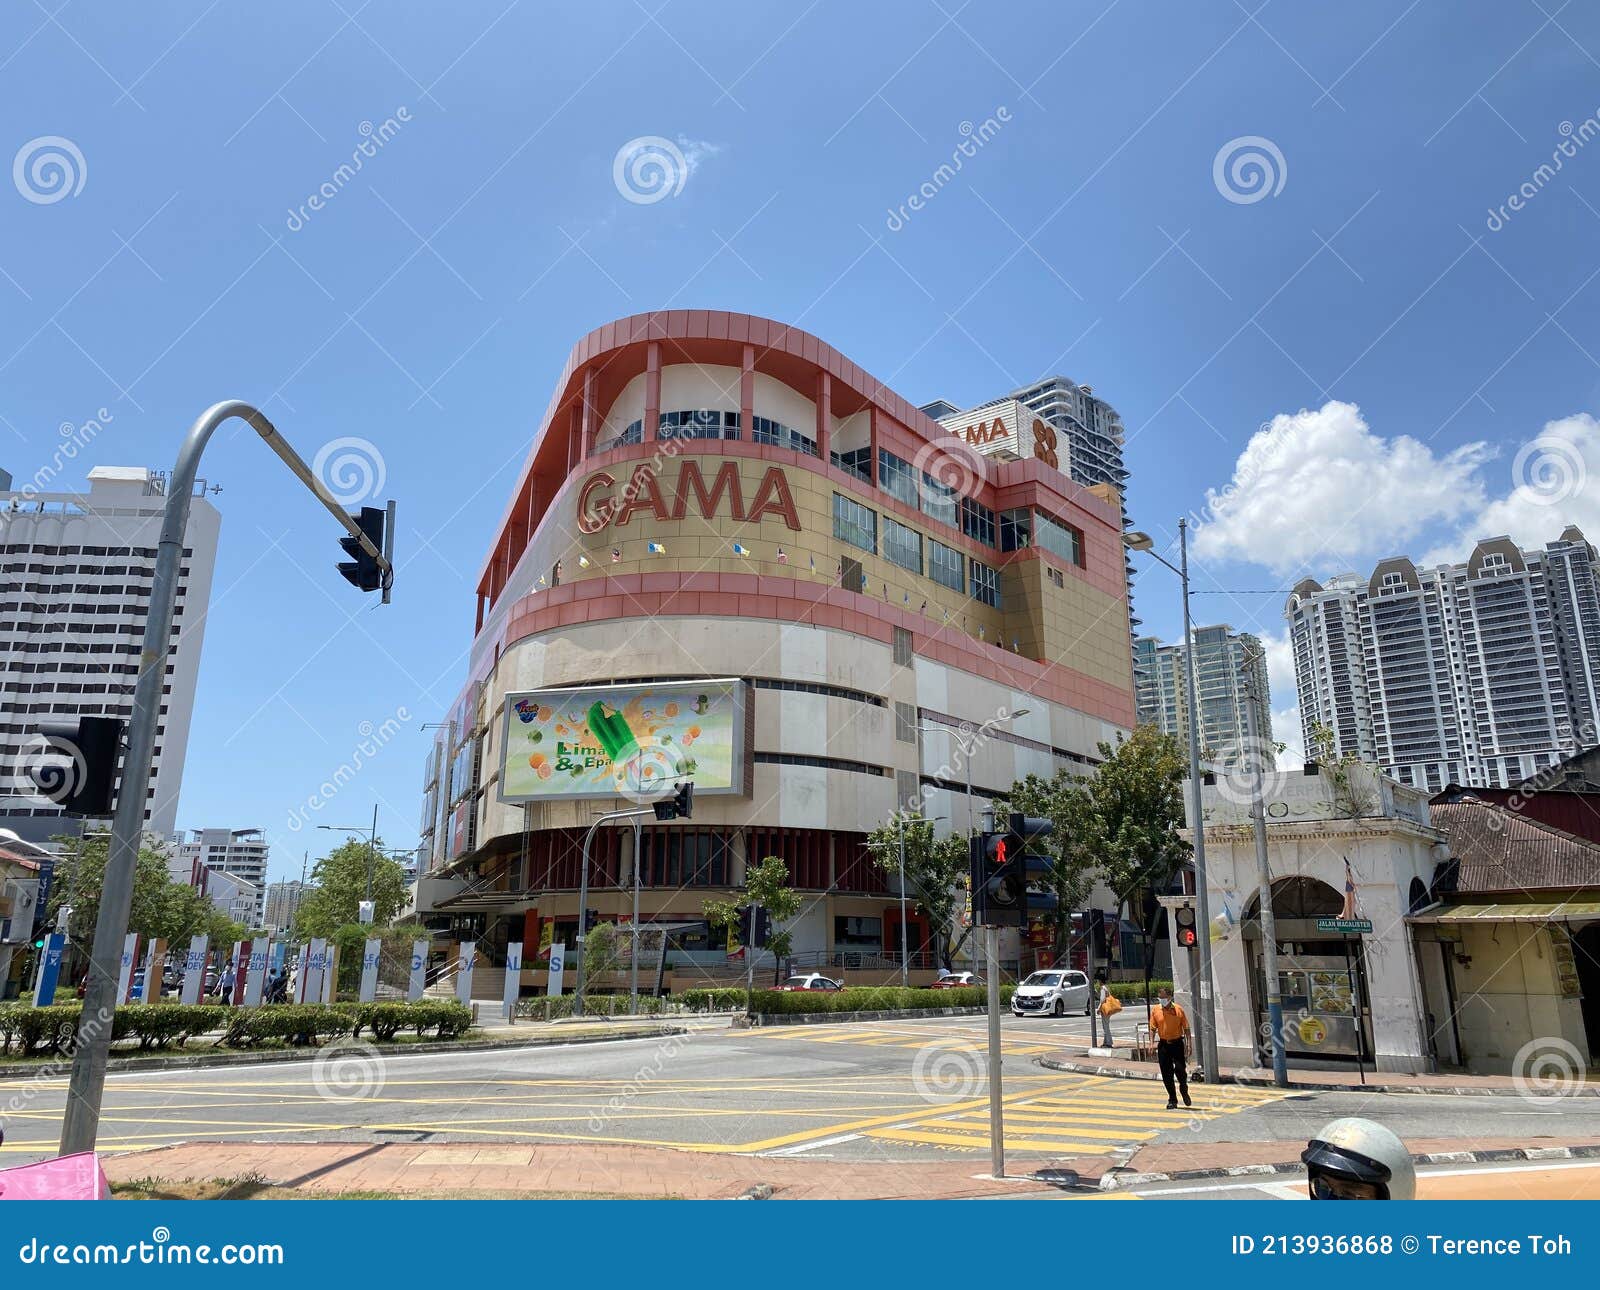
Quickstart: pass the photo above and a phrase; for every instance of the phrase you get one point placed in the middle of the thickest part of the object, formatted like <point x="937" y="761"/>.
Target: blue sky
<point x="429" y="305"/>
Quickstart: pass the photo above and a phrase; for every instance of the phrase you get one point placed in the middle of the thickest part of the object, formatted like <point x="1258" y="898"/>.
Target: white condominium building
<point x="75" y="575"/>
<point x="1481" y="673"/>
<point x="1230" y="680"/>
<point x="241" y="853"/>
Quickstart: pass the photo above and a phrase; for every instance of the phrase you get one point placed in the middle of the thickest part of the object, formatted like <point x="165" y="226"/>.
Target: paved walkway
<point x="1125" y="1065"/>
<point x="420" y="1169"/>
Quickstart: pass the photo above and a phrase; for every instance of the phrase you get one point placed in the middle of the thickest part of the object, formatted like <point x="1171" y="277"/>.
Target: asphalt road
<point x="901" y="1091"/>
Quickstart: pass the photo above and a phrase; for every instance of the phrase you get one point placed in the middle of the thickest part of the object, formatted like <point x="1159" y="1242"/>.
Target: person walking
<point x="1170" y="1025"/>
<point x="1107" y="1005"/>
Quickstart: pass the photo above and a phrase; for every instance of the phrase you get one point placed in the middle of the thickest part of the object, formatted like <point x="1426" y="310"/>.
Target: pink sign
<point x="77" y="1177"/>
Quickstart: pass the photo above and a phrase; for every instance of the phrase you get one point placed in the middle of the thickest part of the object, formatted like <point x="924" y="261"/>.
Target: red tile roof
<point x="1502" y="851"/>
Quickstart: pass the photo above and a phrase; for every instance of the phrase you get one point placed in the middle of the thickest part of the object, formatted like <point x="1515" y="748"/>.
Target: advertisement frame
<point x="739" y="691"/>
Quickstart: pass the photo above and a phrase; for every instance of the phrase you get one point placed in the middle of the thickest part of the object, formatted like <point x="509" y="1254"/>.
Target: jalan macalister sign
<point x="1349" y="926"/>
<point x="599" y="505"/>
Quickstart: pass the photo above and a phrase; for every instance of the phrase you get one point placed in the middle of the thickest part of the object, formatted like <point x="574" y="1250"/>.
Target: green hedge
<point x="1133" y="991"/>
<point x="871" y="999"/>
<point x="33" y="1032"/>
<point x="540" y="1007"/>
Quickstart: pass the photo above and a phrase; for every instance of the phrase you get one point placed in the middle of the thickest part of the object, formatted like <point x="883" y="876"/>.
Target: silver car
<point x="1052" y="994"/>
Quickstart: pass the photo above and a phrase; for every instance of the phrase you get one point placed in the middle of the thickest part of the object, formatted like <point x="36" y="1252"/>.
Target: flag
<point x="616" y="554"/>
<point x="541" y="579"/>
<point x="981" y="630"/>
<point x="583" y="562"/>
<point x="558" y="571"/>
<point x="741" y="551"/>
<point x="1352" y="908"/>
<point x="783" y="556"/>
<point x="813" y="564"/>
<point x="924" y="608"/>
<point x="656" y="548"/>
<point x="1016" y="645"/>
<point x="908" y="597"/>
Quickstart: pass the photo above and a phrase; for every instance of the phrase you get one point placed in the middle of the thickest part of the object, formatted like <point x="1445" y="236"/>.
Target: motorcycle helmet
<point x="1355" y="1159"/>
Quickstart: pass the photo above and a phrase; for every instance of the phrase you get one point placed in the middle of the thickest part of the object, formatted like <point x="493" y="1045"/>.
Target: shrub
<point x="870" y="999"/>
<point x="720" y="999"/>
<point x="1133" y="991"/>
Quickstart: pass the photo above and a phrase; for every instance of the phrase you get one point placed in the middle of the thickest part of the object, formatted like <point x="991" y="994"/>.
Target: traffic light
<point x="361" y="570"/>
<point x="996" y="895"/>
<point x="76" y="766"/>
<point x="1027" y="856"/>
<point x="763" y="927"/>
<point x="745" y="919"/>
<point x="679" y="806"/>
<point x="1184" y="918"/>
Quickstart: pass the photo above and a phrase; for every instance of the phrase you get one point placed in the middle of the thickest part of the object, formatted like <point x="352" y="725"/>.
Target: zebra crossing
<point x="1087" y="1115"/>
<point x="1014" y="1042"/>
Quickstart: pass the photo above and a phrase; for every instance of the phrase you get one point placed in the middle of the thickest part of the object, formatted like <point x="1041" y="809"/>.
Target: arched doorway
<point x="1321" y="975"/>
<point x="1586" y="955"/>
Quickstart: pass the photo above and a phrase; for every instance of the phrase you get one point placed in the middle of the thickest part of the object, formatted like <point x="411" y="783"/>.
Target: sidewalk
<point x="1079" y="1060"/>
<point x="578" y="1170"/>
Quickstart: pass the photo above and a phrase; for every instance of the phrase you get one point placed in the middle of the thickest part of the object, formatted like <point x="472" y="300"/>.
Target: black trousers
<point x="1171" y="1056"/>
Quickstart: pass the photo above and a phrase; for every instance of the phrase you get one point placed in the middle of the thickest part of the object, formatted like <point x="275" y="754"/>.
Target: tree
<point x="936" y="868"/>
<point x="340" y="880"/>
<point x="1137" y="798"/>
<point x="1076" y="845"/>
<point x="161" y="907"/>
<point x="765" y="884"/>
<point x="602" y="951"/>
<point x="1350" y="799"/>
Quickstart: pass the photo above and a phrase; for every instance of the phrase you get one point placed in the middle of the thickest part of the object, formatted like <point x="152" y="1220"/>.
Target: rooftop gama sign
<point x="600" y="502"/>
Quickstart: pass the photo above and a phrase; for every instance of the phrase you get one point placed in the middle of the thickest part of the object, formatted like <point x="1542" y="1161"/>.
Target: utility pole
<point x="1269" y="926"/>
<point x="583" y="898"/>
<point x="86" y="1088"/>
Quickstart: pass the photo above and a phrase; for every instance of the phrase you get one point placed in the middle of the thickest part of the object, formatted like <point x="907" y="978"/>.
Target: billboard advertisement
<point x="633" y="741"/>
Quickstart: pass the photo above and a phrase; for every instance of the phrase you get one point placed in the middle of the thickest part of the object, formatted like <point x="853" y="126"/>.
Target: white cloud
<point x="1285" y="700"/>
<point x="1319" y="487"/>
<point x="1554" y="481"/>
<point x="695" y="151"/>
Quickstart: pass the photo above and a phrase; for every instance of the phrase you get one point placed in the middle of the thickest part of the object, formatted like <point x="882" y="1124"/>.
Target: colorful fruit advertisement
<point x="635" y="741"/>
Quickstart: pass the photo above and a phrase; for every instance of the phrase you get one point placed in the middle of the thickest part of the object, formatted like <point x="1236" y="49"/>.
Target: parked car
<point x="1054" y="993"/>
<point x="955" y="981"/>
<point x="810" y="981"/>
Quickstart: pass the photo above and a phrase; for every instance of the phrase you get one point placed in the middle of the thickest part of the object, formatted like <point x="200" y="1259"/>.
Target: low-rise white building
<point x="1348" y="845"/>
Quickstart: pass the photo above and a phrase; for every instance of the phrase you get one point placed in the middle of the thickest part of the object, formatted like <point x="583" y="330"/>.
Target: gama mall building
<point x="734" y="556"/>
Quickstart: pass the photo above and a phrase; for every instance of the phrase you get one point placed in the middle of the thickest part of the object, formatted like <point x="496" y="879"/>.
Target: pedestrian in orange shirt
<point x="1170" y="1023"/>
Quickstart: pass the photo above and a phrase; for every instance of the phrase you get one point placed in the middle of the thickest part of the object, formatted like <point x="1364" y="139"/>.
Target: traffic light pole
<point x="81" y="1121"/>
<point x="583" y="898"/>
<point x="997" y="1127"/>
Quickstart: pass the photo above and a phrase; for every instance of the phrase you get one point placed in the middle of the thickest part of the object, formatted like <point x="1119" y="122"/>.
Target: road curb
<point x="1113" y="1181"/>
<point x="830" y="1018"/>
<point x="1073" y="1066"/>
<point x="209" y="1060"/>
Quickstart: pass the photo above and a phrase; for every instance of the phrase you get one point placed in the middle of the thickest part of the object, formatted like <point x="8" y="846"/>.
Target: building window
<point x="901" y="545"/>
<point x="985" y="584"/>
<point x="1059" y="539"/>
<point x="857" y="933"/>
<point x="977" y="521"/>
<point x="946" y="566"/>
<point x="699" y="424"/>
<point x="1016" y="529"/>
<point x="902" y="647"/>
<point x="855" y="523"/>
<point x="938" y="500"/>
<point x="897" y="477"/>
<point x="905" y="722"/>
<point x="858" y="461"/>
<point x="851" y="576"/>
<point x="633" y="433"/>
<point x="766" y="430"/>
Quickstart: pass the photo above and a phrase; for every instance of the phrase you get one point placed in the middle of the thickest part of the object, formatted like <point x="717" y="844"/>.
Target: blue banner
<point x="170" y="1243"/>
<point x="44" y="990"/>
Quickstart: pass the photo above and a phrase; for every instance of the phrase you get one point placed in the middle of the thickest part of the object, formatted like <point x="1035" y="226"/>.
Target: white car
<point x="1054" y="993"/>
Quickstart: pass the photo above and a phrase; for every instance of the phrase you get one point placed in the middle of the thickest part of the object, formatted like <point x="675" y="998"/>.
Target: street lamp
<point x="1138" y="541"/>
<point x="372" y="842"/>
